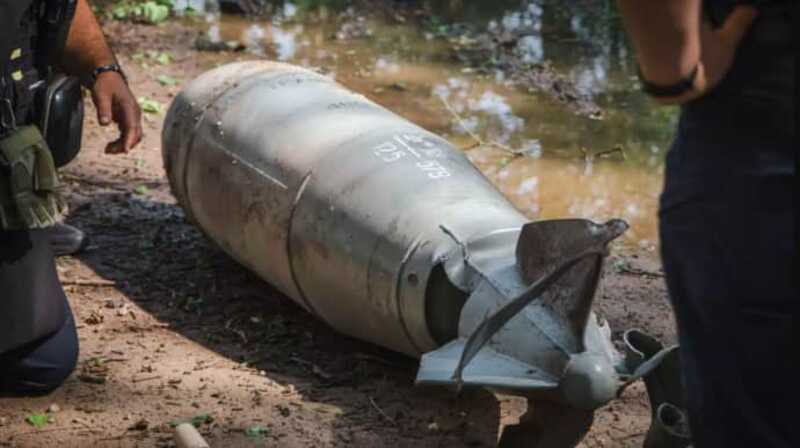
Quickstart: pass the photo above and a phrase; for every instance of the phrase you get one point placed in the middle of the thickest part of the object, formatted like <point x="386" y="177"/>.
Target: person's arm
<point x="672" y="41"/>
<point x="85" y="50"/>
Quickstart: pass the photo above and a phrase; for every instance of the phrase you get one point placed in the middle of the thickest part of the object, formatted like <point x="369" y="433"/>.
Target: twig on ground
<point x="149" y="378"/>
<point x="614" y="150"/>
<point x="475" y="137"/>
<point x="590" y="157"/>
<point x="119" y="437"/>
<point x="640" y="272"/>
<point x="381" y="412"/>
<point x="150" y="183"/>
<point x="42" y="431"/>
<point x="79" y="282"/>
<point x="94" y="183"/>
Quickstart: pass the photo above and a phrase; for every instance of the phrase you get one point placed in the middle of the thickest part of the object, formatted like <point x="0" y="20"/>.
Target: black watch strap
<point x="108" y="68"/>
<point x="677" y="89"/>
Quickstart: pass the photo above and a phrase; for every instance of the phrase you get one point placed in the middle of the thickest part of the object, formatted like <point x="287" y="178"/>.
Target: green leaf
<point x="196" y="421"/>
<point x="141" y="190"/>
<point x="201" y="419"/>
<point x="152" y="12"/>
<point x="150" y="106"/>
<point x="166" y="80"/>
<point x="38" y="420"/>
<point x="164" y="58"/>
<point x="257" y="432"/>
<point x="120" y="12"/>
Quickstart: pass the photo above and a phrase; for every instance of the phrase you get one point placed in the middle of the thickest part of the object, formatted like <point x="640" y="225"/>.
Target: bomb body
<point x="387" y="232"/>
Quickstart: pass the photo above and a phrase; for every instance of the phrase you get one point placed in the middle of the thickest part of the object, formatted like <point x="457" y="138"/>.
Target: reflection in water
<point x="489" y="114"/>
<point x="496" y="107"/>
<point x="385" y="65"/>
<point x="252" y="38"/>
<point x="551" y="188"/>
<point x="285" y="42"/>
<point x="196" y="6"/>
<point x="407" y="70"/>
<point x="213" y="33"/>
<point x="289" y="10"/>
<point x="526" y="27"/>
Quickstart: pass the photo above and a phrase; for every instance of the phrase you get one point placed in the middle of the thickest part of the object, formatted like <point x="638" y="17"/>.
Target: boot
<point x="66" y="239"/>
<point x="669" y="427"/>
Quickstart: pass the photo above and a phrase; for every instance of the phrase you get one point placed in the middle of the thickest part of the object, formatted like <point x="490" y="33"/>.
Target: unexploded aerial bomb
<point x="389" y="234"/>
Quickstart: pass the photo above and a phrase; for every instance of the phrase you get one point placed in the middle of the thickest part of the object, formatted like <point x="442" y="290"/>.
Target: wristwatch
<point x="108" y="68"/>
<point x="676" y="89"/>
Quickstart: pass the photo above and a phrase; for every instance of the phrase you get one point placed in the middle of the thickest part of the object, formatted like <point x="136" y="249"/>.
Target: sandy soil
<point x="170" y="328"/>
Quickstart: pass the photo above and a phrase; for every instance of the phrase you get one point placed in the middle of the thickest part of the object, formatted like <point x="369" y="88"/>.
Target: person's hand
<point x="718" y="46"/>
<point x="115" y="102"/>
<point x="717" y="51"/>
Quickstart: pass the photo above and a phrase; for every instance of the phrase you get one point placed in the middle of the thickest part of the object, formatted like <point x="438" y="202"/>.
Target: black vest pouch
<point x="61" y="117"/>
<point x="31" y="300"/>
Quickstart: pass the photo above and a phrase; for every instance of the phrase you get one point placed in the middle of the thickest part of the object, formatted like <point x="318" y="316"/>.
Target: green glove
<point x="31" y="179"/>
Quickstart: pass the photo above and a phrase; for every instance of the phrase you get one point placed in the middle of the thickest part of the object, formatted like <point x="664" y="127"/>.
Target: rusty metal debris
<point x="389" y="234"/>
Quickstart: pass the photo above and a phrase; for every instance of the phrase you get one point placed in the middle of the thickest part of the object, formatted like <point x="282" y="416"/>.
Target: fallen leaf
<point x="38" y="420"/>
<point x="164" y="58"/>
<point x="196" y="421"/>
<point x="150" y="106"/>
<point x="166" y="80"/>
<point x="257" y="432"/>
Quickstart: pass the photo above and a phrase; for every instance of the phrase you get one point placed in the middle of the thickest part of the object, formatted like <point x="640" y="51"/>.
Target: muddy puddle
<point x="444" y="65"/>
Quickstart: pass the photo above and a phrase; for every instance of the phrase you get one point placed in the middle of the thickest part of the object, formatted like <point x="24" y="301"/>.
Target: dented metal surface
<point x="389" y="234"/>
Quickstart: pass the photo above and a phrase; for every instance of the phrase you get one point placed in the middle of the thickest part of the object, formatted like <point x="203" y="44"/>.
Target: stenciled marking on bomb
<point x="414" y="145"/>
<point x="389" y="234"/>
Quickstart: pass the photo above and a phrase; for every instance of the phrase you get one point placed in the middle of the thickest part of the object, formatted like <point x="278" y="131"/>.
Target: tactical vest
<point x="28" y="183"/>
<point x="21" y="76"/>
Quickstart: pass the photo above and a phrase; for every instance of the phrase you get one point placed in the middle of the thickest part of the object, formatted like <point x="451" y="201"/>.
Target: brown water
<point x="404" y="65"/>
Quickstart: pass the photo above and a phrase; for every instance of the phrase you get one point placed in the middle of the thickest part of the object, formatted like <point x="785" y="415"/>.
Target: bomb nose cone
<point x="589" y="381"/>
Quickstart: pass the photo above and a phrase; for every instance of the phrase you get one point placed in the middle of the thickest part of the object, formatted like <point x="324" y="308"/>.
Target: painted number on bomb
<point x="434" y="169"/>
<point x="389" y="152"/>
<point x="416" y="146"/>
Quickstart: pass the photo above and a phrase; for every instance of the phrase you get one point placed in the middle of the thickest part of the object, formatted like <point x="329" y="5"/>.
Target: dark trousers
<point x="29" y="288"/>
<point x="728" y="267"/>
<point x="42" y="366"/>
<point x="728" y="245"/>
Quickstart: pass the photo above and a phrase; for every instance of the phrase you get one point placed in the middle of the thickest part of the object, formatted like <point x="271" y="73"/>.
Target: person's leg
<point x="728" y="261"/>
<point x="42" y="366"/>
<point x="37" y="332"/>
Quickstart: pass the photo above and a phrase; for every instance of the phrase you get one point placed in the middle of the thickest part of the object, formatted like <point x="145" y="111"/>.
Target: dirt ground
<point x="172" y="329"/>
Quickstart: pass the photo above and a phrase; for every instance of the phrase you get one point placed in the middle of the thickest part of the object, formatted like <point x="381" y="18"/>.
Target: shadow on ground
<point x="167" y="267"/>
